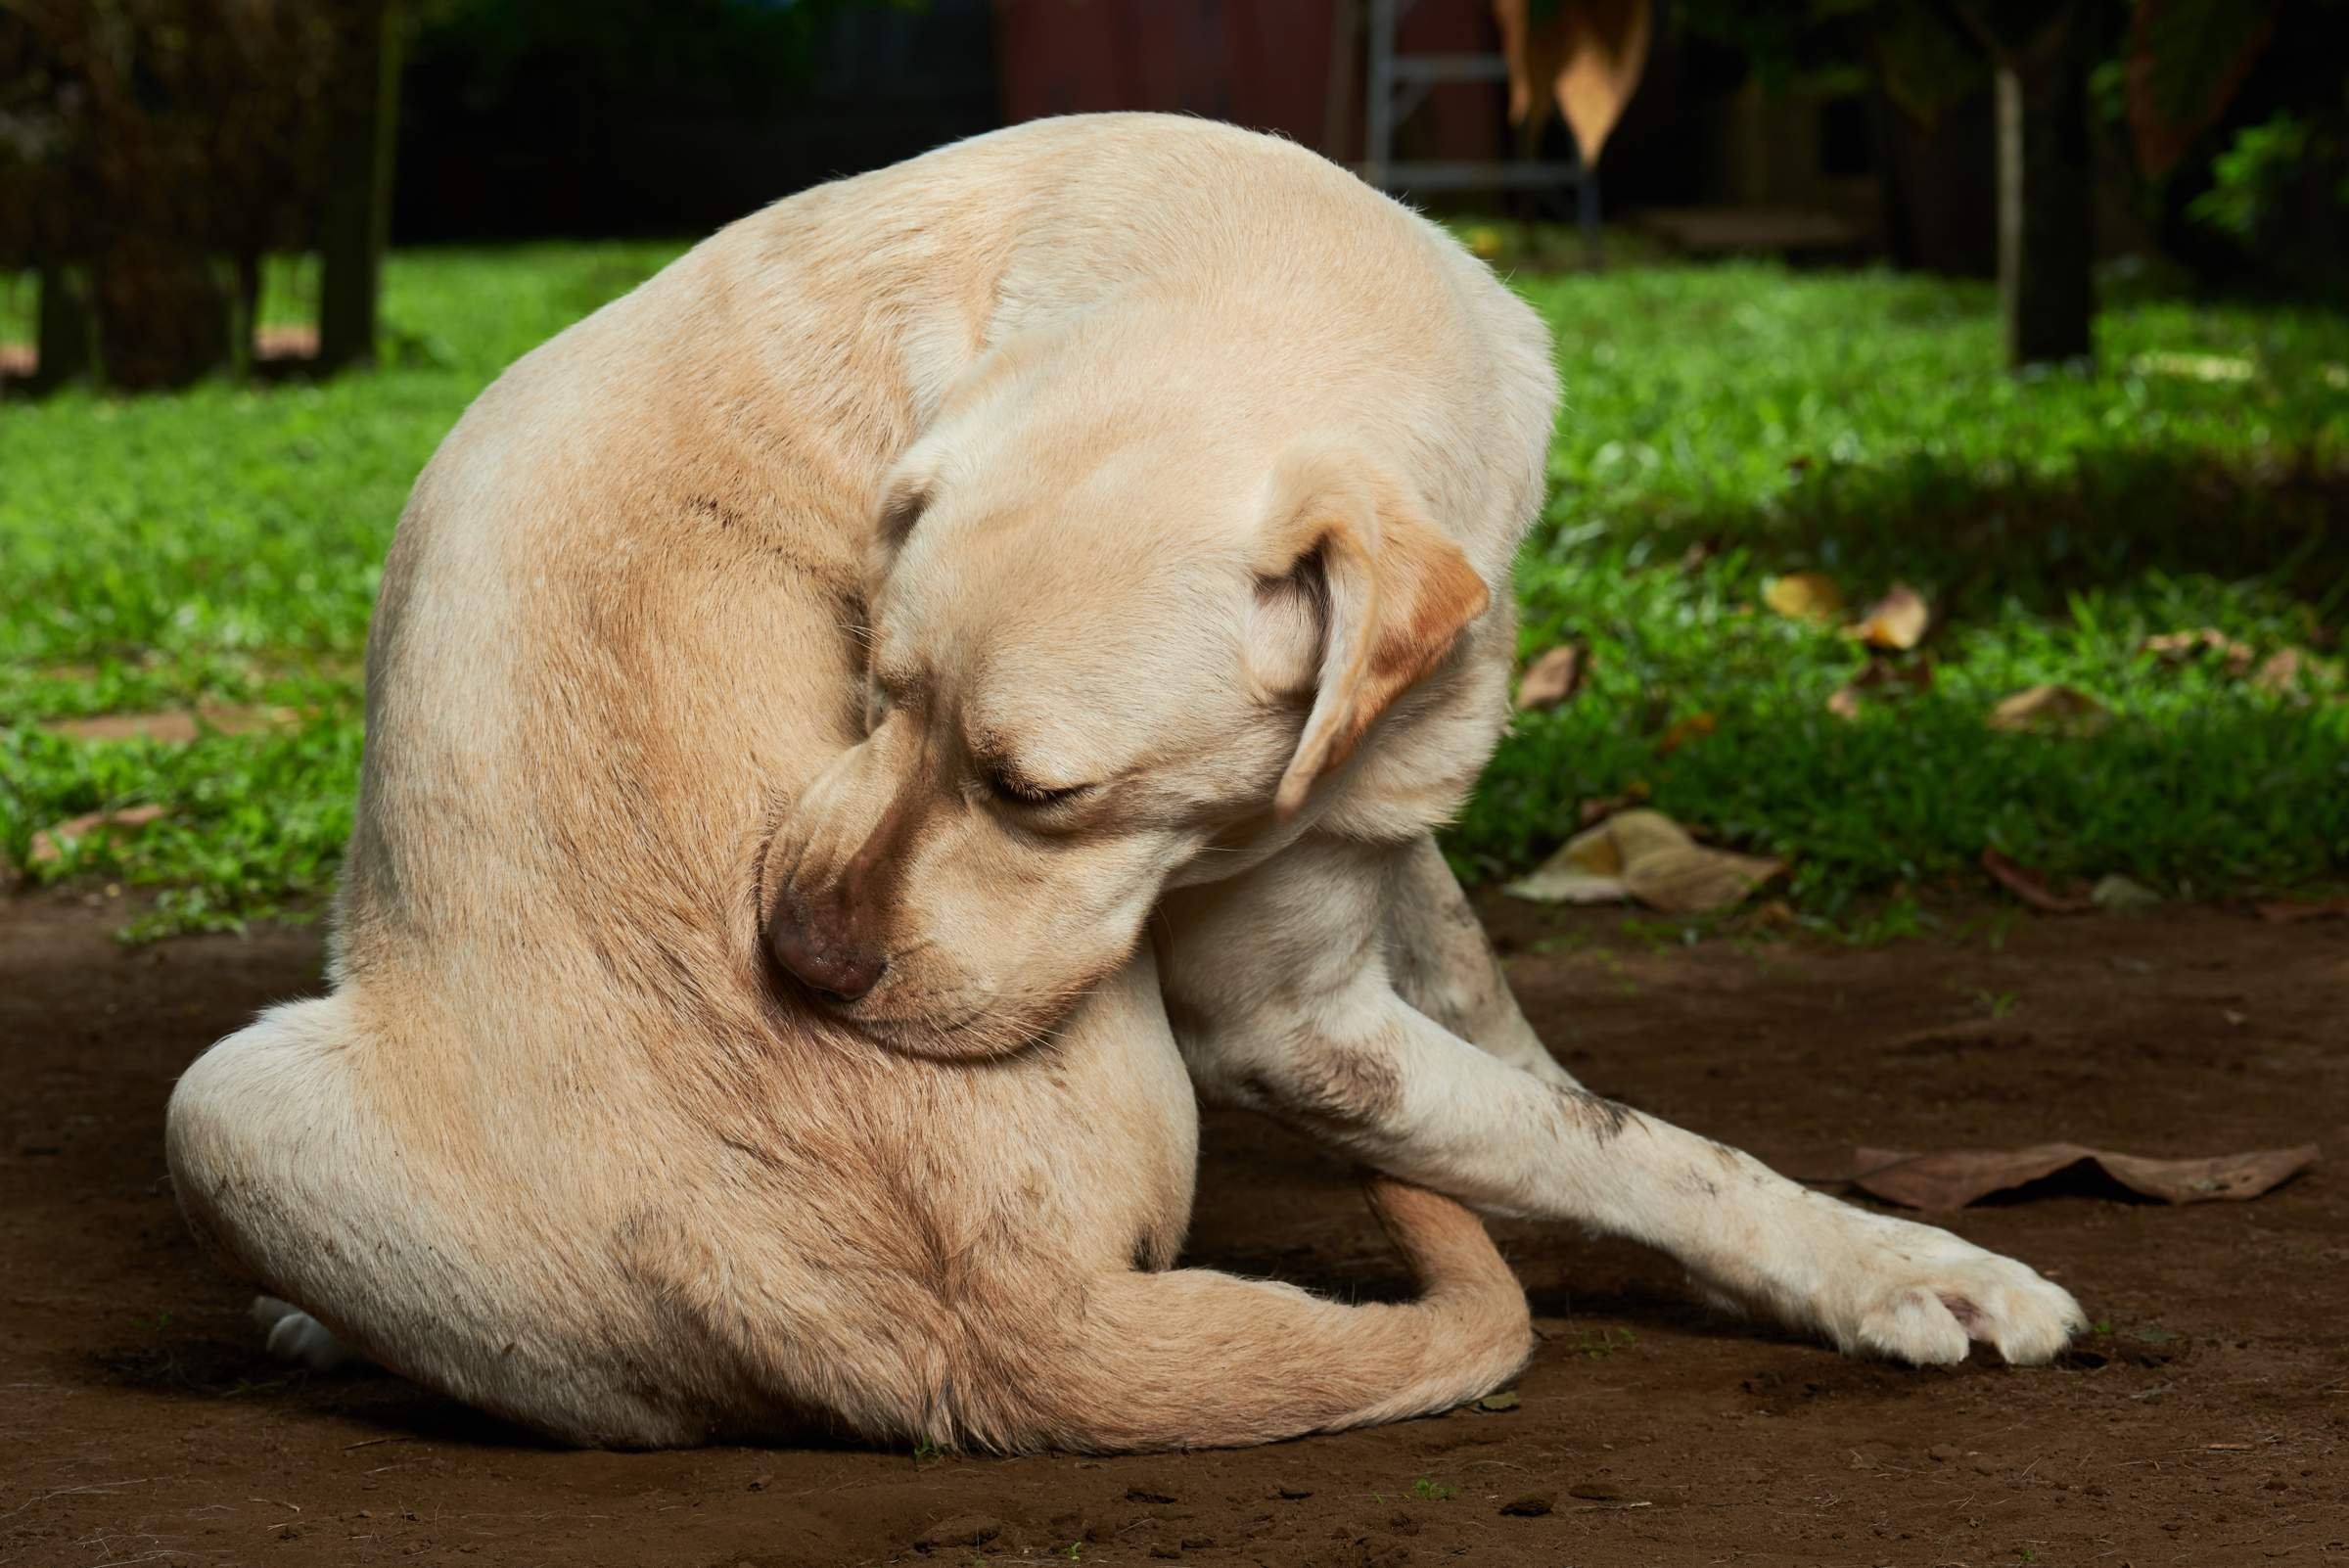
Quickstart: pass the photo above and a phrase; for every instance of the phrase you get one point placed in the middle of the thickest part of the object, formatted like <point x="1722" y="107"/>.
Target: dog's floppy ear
<point x="905" y="495"/>
<point x="1397" y="594"/>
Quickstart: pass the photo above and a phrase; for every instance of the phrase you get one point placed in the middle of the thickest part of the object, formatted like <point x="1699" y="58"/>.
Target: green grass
<point x="222" y="546"/>
<point x="1860" y="426"/>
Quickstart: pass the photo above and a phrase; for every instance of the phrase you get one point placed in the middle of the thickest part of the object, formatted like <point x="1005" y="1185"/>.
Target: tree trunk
<point x="357" y="217"/>
<point x="162" y="314"/>
<point x="65" y="349"/>
<point x="2045" y="248"/>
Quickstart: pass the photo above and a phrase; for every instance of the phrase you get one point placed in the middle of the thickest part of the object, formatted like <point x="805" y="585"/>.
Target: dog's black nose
<point x="820" y="959"/>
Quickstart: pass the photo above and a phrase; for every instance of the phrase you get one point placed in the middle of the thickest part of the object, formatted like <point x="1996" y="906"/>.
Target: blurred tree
<point x="2047" y="249"/>
<point x="151" y="151"/>
<point x="2182" y="62"/>
<point x="668" y="116"/>
<point x="2241" y="116"/>
<point x="355" y="217"/>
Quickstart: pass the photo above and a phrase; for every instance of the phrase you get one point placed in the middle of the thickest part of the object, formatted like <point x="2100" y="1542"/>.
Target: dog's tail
<point x="1195" y="1358"/>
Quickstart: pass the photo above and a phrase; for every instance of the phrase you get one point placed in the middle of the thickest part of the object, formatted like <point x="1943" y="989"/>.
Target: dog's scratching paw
<point x="1925" y="1297"/>
<point x="294" y="1335"/>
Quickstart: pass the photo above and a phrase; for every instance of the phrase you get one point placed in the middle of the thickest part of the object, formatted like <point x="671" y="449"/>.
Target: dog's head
<point x="1107" y="653"/>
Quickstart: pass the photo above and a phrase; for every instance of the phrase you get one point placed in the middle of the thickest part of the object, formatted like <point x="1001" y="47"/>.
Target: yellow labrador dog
<point x="795" y="691"/>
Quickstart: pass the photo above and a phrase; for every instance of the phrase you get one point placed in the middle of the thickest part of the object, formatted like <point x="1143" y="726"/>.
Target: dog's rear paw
<point x="294" y="1335"/>
<point x="1923" y="1296"/>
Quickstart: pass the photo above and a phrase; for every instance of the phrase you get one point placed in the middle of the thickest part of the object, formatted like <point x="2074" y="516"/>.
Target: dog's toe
<point x="1928" y="1297"/>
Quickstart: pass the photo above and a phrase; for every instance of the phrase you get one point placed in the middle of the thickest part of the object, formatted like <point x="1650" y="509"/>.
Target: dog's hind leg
<point x="405" y="1247"/>
<point x="1196" y="1358"/>
<point x="1443" y="965"/>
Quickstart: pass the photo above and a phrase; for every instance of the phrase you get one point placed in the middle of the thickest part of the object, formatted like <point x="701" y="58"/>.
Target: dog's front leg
<point x="1443" y="964"/>
<point x="1283" y="1000"/>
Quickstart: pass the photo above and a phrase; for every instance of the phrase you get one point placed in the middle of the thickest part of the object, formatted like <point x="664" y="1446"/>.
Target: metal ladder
<point x="1399" y="83"/>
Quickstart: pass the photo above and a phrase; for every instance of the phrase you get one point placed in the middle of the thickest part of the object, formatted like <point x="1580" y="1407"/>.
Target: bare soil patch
<point x="139" y="1423"/>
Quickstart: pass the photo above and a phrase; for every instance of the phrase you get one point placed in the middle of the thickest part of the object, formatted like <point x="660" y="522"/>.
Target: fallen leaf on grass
<point x="2281" y="672"/>
<point x="2286" y="911"/>
<point x="1952" y="1179"/>
<point x="2178" y="647"/>
<point x="2193" y="367"/>
<point x="49" y="845"/>
<point x="1647" y="857"/>
<point x="1880" y="674"/>
<point x="1589" y="867"/>
<point x="176" y="727"/>
<point x="1553" y="677"/>
<point x="1803" y="597"/>
<point x="1694" y="727"/>
<point x="2122" y="896"/>
<point x="1896" y="621"/>
<point x="2051" y="710"/>
<point x="2033" y="888"/>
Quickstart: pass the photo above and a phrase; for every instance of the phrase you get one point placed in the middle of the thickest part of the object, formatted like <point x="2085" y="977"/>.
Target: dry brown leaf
<point x="2032" y="888"/>
<point x="1553" y="677"/>
<point x="2289" y="911"/>
<point x="1681" y="731"/>
<point x="1803" y="597"/>
<point x="1698" y="880"/>
<point x="1609" y="52"/>
<point x="1645" y="856"/>
<point x="1897" y="622"/>
<point x="1584" y="58"/>
<point x="2281" y="672"/>
<point x="175" y="727"/>
<point x="49" y="845"/>
<point x="2050" y="710"/>
<point x="2178" y="647"/>
<point x="1952" y="1179"/>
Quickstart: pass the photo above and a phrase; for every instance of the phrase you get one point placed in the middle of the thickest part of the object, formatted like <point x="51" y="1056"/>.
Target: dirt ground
<point x="2207" y="1424"/>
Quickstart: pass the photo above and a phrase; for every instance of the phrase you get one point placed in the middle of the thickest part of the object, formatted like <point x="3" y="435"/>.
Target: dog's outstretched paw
<point x="294" y="1335"/>
<point x="1923" y="1296"/>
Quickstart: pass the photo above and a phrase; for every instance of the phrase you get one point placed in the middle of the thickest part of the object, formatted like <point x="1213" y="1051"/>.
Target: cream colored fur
<point x="918" y="588"/>
<point x="559" y="1144"/>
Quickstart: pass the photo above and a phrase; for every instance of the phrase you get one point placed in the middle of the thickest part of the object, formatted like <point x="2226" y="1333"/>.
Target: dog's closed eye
<point x="1008" y="784"/>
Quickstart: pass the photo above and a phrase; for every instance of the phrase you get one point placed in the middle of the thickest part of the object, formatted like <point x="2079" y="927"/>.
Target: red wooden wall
<point x="1264" y="63"/>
